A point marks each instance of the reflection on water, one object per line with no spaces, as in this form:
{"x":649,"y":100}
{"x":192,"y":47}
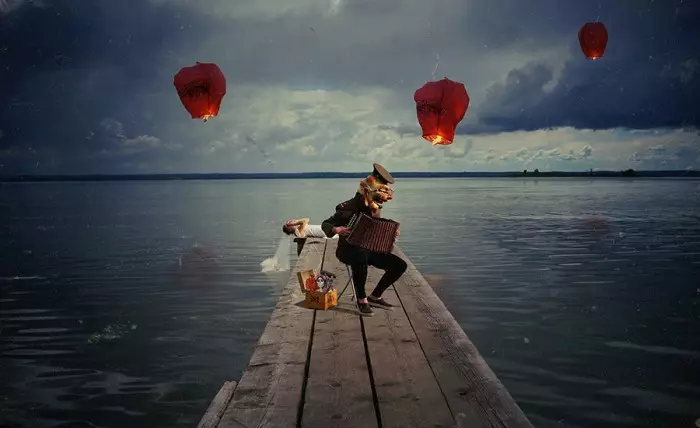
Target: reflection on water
{"x":128,"y":304}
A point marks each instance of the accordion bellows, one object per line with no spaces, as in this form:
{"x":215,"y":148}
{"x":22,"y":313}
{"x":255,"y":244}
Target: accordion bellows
{"x":372,"y":234}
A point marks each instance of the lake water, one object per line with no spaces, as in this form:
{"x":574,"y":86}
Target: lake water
{"x":130,"y":303}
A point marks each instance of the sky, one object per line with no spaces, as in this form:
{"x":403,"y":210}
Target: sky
{"x":327,"y":85}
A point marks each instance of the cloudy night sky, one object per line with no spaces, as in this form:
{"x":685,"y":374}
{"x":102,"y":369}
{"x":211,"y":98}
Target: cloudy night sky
{"x":327,"y":85}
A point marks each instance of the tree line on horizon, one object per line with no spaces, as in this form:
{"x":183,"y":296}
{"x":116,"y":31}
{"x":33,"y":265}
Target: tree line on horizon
{"x":623,"y":173}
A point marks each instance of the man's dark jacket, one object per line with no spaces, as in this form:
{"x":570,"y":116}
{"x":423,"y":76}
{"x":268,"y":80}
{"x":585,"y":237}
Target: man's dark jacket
{"x":343,"y":213}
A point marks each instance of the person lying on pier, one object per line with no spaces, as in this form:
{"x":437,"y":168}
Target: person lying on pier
{"x":302,"y":230}
{"x":372,"y":193}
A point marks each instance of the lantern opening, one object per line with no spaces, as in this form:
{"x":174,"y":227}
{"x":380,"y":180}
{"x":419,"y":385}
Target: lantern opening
{"x":436,"y":139}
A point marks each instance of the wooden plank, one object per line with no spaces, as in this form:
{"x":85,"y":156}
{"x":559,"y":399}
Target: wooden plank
{"x":218,"y":406}
{"x":407,"y":392}
{"x":475,"y":395}
{"x":338,"y":391}
{"x":270,"y":391}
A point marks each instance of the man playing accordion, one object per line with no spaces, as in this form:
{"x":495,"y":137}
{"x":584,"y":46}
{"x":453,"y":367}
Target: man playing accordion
{"x":372,"y":193}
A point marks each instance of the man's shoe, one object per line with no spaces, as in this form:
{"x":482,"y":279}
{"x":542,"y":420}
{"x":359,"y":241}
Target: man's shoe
{"x":365,"y":310}
{"x":379,"y":302}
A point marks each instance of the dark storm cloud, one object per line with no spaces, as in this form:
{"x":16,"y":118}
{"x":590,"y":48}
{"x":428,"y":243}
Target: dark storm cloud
{"x":66,"y":65}
{"x":647,"y":78}
{"x":650,"y":69}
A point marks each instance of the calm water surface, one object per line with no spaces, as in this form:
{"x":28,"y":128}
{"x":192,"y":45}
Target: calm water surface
{"x":128,"y":304}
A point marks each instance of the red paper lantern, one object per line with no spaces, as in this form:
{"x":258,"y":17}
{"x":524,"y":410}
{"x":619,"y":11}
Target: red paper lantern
{"x":201,"y":88}
{"x":593,"y":38}
{"x":440,"y":106}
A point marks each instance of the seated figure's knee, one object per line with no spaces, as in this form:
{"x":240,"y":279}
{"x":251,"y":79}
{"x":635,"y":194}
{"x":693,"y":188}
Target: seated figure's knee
{"x":401,"y":265}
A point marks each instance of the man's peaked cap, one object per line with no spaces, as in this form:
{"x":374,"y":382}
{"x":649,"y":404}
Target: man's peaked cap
{"x":382,"y":174}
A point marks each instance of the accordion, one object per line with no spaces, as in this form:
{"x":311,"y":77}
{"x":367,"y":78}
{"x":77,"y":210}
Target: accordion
{"x":372,"y":234}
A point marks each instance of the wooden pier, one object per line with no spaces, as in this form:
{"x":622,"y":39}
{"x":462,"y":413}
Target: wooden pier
{"x":412,"y":366}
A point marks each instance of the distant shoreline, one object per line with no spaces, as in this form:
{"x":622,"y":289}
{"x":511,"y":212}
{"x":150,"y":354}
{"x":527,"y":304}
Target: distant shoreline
{"x":318,"y":175}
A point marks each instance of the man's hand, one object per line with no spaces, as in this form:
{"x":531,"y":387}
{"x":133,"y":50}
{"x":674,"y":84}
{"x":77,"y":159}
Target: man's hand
{"x":341,"y":230}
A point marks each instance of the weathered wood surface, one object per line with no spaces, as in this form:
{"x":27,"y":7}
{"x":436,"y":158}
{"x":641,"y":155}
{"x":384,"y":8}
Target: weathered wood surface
{"x":472,"y":390}
{"x":408,"y":394}
{"x":412,"y":366}
{"x":269,"y":392}
{"x":338,"y":389}
{"x":218,"y":406}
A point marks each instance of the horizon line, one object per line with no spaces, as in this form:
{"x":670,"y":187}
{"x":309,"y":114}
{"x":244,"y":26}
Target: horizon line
{"x":577,"y":171}
{"x":590,"y":173}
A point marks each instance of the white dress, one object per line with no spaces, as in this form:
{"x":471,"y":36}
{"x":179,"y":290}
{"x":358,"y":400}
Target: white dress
{"x":313,"y":231}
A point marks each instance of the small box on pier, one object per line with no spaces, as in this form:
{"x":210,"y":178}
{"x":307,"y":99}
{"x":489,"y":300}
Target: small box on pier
{"x":320,"y":300}
{"x":318,"y":288}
